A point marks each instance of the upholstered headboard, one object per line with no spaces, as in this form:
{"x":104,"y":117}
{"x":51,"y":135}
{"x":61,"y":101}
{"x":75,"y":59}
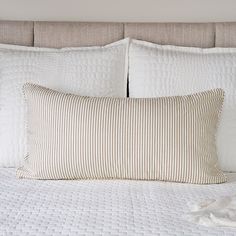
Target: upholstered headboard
{"x":65,"y":34}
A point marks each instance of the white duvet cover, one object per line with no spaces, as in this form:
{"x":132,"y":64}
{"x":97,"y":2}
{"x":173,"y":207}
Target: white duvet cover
{"x":214,"y":212}
{"x":36,"y":207}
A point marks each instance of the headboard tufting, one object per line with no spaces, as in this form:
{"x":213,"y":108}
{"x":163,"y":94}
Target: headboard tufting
{"x":69,"y":34}
{"x":17,"y":32}
{"x":225,"y":35}
{"x":181,"y":34}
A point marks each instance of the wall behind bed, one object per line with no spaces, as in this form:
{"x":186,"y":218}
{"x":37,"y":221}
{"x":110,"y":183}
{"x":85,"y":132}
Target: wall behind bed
{"x":119,"y":10}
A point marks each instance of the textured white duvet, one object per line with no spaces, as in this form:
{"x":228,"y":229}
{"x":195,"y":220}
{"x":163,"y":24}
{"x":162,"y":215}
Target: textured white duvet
{"x":29,"y":207}
{"x":214,"y":212}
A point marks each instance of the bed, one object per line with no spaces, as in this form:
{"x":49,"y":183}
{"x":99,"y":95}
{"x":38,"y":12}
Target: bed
{"x":109,"y":207}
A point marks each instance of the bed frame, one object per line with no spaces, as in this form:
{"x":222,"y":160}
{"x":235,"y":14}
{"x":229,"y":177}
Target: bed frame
{"x":69,"y":34}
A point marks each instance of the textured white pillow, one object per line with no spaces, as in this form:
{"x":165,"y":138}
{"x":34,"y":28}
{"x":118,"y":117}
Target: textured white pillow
{"x":156,"y":70}
{"x":90,"y":71}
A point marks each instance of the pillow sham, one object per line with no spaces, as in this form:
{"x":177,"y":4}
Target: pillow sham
{"x":90,"y":71}
{"x":169,"y":138}
{"x":156,"y":70}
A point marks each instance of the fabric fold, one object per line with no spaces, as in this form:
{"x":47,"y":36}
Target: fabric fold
{"x":214,"y":212}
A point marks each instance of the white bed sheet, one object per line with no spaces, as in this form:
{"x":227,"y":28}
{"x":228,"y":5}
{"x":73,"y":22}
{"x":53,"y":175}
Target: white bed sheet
{"x":112,"y":207}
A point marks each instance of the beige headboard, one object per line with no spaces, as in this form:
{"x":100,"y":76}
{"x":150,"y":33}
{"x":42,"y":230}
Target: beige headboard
{"x":68,"y":34}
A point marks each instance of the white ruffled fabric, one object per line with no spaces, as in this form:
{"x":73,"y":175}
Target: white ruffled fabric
{"x":214,"y":212}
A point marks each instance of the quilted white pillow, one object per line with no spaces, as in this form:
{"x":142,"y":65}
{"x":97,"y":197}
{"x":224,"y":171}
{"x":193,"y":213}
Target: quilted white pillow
{"x":88,"y":71}
{"x":156,"y":70}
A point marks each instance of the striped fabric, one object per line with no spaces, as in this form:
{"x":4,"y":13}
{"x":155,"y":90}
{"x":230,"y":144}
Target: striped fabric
{"x":169,"y":138}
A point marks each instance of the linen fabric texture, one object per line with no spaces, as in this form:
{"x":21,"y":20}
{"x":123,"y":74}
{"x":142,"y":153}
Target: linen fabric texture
{"x":168,"y":138}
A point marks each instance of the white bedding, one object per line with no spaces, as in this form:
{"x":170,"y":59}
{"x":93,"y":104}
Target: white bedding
{"x":29,"y":207}
{"x":214,"y":212}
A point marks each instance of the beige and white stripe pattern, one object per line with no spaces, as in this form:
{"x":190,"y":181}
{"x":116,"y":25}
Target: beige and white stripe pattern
{"x":169,"y":138}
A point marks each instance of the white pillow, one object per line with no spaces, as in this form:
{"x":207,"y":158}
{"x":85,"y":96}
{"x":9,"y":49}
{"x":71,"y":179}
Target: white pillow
{"x":88,"y":71}
{"x":156,"y":70}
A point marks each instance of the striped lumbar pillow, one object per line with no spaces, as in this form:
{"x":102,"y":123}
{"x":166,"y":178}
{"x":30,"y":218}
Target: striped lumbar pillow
{"x":170,"y":138}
